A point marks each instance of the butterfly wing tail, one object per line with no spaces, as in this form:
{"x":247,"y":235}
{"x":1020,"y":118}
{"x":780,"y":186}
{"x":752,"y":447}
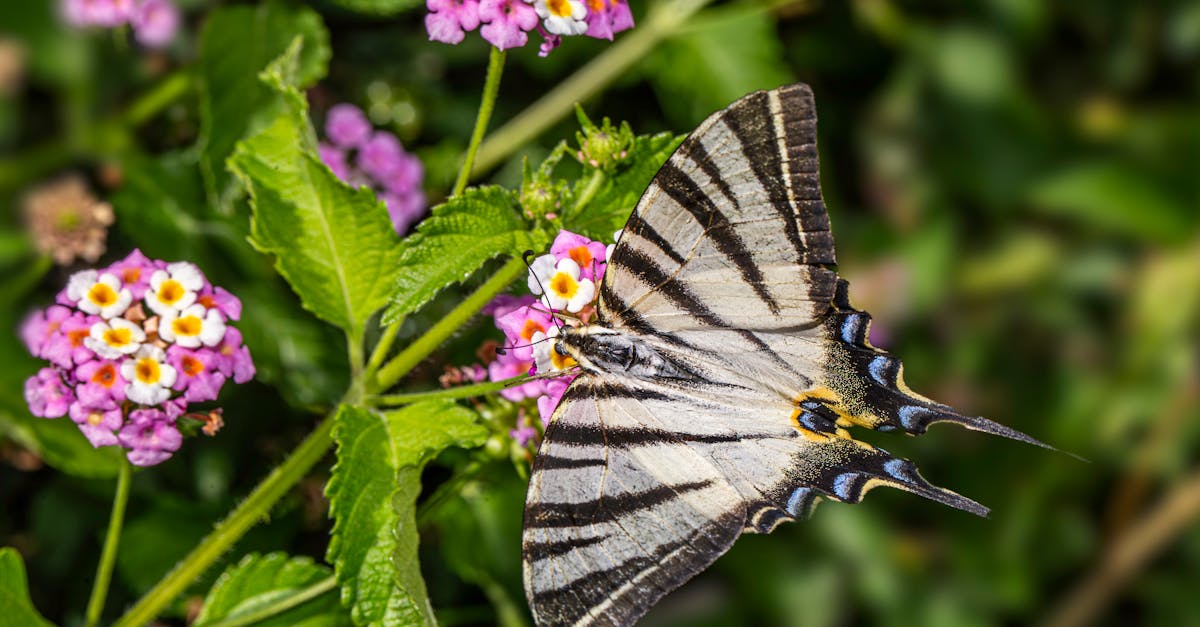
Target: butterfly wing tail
{"x":869,"y":383}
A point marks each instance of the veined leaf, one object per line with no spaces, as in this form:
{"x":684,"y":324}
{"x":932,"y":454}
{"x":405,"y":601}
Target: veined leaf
{"x":372,"y":497}
{"x":237,"y":43}
{"x":335,"y":245}
{"x":460,"y":236}
{"x":15,"y":606}
{"x":609,"y":209}
{"x":260,"y":581}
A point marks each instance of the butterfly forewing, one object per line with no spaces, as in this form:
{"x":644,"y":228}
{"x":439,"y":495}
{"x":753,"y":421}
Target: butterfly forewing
{"x":750,"y":367}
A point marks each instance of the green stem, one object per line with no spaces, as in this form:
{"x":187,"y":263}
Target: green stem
{"x":108,"y":556}
{"x":462,"y":391}
{"x":278,"y":607}
{"x":163,"y":95}
{"x":589,"y":192}
{"x":662,"y":22}
{"x":380,"y":352}
{"x":491,"y":87}
{"x":228,"y":531}
{"x":408,"y":359}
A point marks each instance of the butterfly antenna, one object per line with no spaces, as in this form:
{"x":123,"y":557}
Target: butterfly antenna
{"x":553,"y":314}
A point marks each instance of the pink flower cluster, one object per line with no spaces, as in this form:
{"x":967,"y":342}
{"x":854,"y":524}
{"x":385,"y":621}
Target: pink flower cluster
{"x":123,"y":374}
{"x":506,"y":23}
{"x":360,"y":155}
{"x":566,"y":279}
{"x":154,"y":22}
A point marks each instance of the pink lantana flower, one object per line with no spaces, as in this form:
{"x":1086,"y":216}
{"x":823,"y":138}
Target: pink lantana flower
{"x":155,"y":23}
{"x":548,"y":402}
{"x":199,"y":376}
{"x":608,"y":17}
{"x":519,"y":327}
{"x":46,"y":394}
{"x":98,"y":421}
{"x":449,"y":21}
{"x":589,"y":255}
{"x":99,"y":378}
{"x":506,"y":22}
{"x":150,"y":436}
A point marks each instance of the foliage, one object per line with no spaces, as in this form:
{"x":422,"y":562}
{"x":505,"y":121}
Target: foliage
{"x":1012,"y":189}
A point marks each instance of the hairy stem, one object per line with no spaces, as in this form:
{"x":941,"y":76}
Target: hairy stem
{"x":662,"y":22}
{"x":408,"y":359}
{"x":230,"y":530}
{"x":380,"y":352}
{"x":108,"y":556}
{"x":491,"y":87}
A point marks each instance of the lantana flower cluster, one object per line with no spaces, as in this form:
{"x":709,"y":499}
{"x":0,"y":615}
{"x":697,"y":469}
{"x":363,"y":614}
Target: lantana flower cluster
{"x":567,"y":280}
{"x":154,"y":22}
{"x":506,"y":23}
{"x":360,"y":155}
{"x":131,"y":347}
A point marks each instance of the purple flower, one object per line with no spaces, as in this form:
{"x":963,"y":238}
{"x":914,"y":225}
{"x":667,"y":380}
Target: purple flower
{"x":506,"y":22}
{"x":100,"y":379}
{"x":47,"y":395}
{"x":405,"y":175}
{"x":448,"y":20}
{"x":213,"y":297}
{"x":505,"y":303}
{"x":107,"y":13}
{"x":199,"y":377}
{"x":404,"y":209}
{"x":155,"y":23}
{"x":150,"y":437}
{"x":520,"y":325}
{"x":39,"y":326}
{"x":588,"y":254}
{"x":554,"y":393}
{"x":98,"y":421}
{"x":506,"y":367}
{"x":524,"y":433}
{"x":607,"y":17}
{"x":346,"y":126}
{"x":134,"y":272}
{"x":233,"y":359}
{"x":335,"y":158}
{"x":381,"y":156}
{"x":66,"y":346}
{"x":549,"y":42}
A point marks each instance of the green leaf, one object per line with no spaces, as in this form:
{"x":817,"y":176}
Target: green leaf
{"x":372,"y":498}
{"x":609,"y":209}
{"x":716,"y":60}
{"x":15,"y":606}
{"x":378,"y":7}
{"x":259,"y":582}
{"x":333,"y":244}
{"x":1118,"y":198}
{"x":460,"y":236}
{"x":237,"y":43}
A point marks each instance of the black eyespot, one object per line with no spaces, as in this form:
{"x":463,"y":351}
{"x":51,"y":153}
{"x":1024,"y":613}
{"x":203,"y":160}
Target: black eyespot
{"x":558,"y":348}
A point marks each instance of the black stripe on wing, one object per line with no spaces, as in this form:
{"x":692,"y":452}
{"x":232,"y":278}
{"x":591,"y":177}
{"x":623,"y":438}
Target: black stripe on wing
{"x":606,"y":508}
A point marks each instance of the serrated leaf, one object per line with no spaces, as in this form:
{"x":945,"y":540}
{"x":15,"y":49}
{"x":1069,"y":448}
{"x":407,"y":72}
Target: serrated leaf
{"x":727,"y":54}
{"x":333,"y":244}
{"x":609,"y":209}
{"x":378,"y":7}
{"x":1116,"y":197}
{"x":237,"y":43}
{"x":15,"y":606}
{"x":461,"y":235}
{"x":372,"y":498}
{"x":260,"y":581}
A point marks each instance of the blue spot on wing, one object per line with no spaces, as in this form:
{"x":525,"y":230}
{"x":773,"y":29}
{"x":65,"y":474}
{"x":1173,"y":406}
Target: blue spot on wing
{"x":801,"y":496}
{"x":850,"y":330}
{"x":897,"y":468}
{"x":910,"y":415}
{"x":878,"y":369}
{"x":843,"y":484}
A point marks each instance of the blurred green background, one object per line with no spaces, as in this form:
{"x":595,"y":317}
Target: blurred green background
{"x":1014,"y":186}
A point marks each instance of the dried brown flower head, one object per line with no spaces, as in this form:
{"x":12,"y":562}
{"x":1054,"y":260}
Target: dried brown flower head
{"x":67,"y":221}
{"x":12,"y":66}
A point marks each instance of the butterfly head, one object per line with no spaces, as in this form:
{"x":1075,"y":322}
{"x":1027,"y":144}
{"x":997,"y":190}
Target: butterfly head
{"x":602,"y":350}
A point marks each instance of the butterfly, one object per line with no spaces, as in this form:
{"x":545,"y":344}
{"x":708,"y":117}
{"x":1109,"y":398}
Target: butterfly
{"x":719,"y":381}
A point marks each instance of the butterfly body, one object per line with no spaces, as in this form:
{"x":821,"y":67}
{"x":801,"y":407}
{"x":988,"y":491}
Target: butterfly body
{"x":720,"y":382}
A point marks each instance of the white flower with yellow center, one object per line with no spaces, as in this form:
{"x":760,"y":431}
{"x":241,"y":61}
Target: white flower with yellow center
{"x":559,"y":284}
{"x":174,"y":289}
{"x":97,"y":293}
{"x":150,"y":377}
{"x":545,"y":357}
{"x":112,"y":339}
{"x":562,"y":17}
{"x":192,"y":327}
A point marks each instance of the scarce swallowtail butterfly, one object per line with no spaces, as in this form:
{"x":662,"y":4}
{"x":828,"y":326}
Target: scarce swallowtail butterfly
{"x":720,"y":381}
